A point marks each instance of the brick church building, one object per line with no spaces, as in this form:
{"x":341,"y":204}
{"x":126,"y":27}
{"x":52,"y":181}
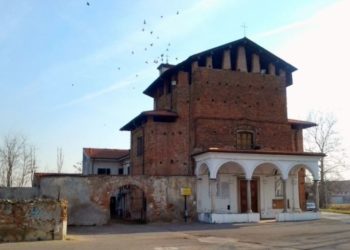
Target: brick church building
{"x":221,"y":116}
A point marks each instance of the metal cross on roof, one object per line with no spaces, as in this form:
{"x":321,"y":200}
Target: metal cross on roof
{"x":244,"y":27}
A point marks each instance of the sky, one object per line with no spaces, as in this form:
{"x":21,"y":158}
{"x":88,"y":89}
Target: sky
{"x":72,"y":73}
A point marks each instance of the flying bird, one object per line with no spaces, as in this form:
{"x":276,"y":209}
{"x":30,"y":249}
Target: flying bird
{"x":151,"y":32}
{"x":132,"y":52}
{"x":157,"y":37}
{"x":143,"y":29}
{"x":146,"y":62}
{"x":87,"y":3}
{"x":145,"y":49}
{"x":151,"y":44}
{"x":118,"y":68}
{"x":144,"y":21}
{"x":177,"y":12}
{"x":161,"y":16}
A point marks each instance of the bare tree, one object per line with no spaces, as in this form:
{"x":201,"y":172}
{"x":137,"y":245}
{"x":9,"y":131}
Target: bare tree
{"x":325,"y":139}
{"x":10,"y":155}
{"x":27,"y":166}
{"x":60,"y":159}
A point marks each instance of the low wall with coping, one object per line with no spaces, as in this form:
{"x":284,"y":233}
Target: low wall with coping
{"x":30,"y":220}
{"x":89,"y":196}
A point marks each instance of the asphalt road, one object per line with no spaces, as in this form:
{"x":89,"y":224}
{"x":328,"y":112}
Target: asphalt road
{"x":331,"y":232}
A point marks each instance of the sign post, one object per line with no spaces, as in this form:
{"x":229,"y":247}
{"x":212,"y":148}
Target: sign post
{"x":186,"y":191}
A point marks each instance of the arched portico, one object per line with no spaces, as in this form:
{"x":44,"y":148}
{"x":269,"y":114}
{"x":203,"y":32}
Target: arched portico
{"x":233,"y":178}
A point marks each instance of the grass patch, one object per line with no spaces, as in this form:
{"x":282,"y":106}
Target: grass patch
{"x":338,"y":208}
{"x":339,"y":211}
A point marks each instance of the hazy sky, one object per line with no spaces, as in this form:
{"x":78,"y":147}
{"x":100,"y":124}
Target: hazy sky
{"x":72,"y":74}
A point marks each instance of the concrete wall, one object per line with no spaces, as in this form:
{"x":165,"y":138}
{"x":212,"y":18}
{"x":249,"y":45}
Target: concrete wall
{"x":89,"y":197}
{"x":19,"y":193}
{"x":29,"y":220}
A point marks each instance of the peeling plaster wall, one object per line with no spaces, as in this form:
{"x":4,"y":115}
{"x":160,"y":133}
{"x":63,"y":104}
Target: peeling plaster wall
{"x":30,"y":220}
{"x":89,"y":197}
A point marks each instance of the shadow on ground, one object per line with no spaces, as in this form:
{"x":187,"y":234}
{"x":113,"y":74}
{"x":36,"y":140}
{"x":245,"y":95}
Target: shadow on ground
{"x":128,"y":228}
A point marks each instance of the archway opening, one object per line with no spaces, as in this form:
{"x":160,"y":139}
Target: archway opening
{"x":229,"y":197}
{"x":304,"y":180}
{"x":129,"y":204}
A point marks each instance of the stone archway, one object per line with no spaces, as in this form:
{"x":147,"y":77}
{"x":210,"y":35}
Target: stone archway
{"x":129,"y":204}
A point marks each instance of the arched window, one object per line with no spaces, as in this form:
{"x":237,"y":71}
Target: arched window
{"x":245,"y":139}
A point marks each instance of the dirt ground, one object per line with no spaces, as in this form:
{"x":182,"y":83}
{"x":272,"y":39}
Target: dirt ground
{"x":331,"y":232}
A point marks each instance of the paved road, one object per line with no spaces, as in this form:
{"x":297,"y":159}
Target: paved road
{"x":331,"y":232}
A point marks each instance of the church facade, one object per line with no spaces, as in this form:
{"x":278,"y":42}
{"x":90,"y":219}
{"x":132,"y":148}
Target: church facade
{"x":221,"y":116}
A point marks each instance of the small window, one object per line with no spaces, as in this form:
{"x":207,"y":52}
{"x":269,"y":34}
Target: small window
{"x":139,"y":145}
{"x":120,"y":171}
{"x":104,"y":171}
{"x":245,"y":140}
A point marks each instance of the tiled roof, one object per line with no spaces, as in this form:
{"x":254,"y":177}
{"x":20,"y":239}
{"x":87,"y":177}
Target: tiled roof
{"x":106,"y":153}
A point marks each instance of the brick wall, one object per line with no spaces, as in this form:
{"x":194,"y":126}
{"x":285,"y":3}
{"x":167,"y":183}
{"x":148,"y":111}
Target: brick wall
{"x":212,"y":104}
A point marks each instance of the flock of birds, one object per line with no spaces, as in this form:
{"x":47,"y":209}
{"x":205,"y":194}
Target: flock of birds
{"x":163,"y":57}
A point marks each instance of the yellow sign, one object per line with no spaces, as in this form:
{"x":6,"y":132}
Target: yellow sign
{"x":186,"y":191}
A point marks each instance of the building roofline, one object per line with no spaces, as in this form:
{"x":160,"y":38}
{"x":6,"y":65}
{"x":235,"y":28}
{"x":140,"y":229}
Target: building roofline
{"x":166,"y":115}
{"x":218,"y":150}
{"x":301,"y":124}
{"x":187,"y":63}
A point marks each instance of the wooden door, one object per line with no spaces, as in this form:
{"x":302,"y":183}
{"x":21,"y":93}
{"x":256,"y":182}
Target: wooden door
{"x":243,"y":195}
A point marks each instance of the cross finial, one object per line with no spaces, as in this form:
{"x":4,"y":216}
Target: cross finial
{"x":244,"y":27}
{"x":166,"y":58}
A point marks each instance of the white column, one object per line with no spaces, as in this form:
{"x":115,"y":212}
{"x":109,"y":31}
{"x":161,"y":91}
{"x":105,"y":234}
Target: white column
{"x":241,"y":64}
{"x":316,"y":196}
{"x":249,"y":197}
{"x":255,"y":63}
{"x":212,"y":184}
{"x":226,"y":60}
{"x":285,"y":201}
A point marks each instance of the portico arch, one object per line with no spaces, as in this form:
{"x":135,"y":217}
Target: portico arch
{"x":231,"y":167}
{"x":268,"y":169}
{"x":267,"y":187}
{"x":203,"y":169}
{"x":312,"y":169}
{"x":304,"y":195}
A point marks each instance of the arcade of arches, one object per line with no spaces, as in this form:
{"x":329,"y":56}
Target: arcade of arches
{"x":240,"y":187}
